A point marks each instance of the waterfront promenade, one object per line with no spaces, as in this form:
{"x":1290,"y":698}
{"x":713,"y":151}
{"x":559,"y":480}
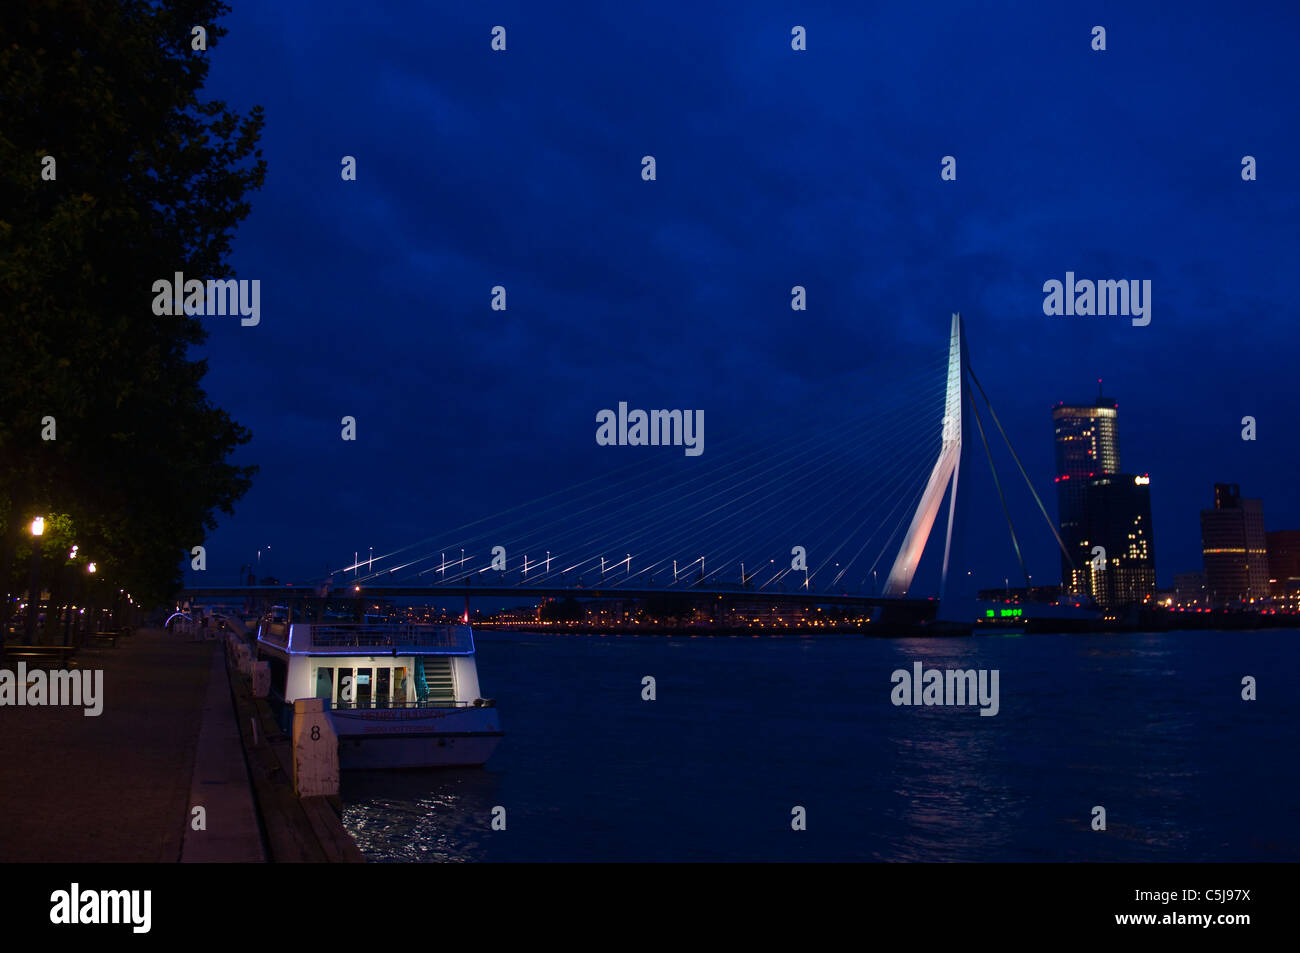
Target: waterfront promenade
{"x":119,"y":786}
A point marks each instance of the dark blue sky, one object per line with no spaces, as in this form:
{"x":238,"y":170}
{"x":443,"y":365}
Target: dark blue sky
{"x":775,"y":168}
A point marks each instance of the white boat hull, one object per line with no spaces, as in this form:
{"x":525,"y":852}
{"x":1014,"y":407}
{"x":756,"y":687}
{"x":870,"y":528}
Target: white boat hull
{"x":372,"y":738}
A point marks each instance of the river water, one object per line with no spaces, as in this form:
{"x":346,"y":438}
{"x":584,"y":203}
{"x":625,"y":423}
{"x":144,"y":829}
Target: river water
{"x":1151,"y":727}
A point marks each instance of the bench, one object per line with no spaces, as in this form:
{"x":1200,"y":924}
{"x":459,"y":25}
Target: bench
{"x":60,"y":653}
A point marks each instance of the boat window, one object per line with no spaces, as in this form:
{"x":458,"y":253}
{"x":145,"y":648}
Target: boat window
{"x":325,"y":682}
{"x":399,"y":684}
{"x":381,"y":686}
{"x":364,"y":688}
{"x":346,"y":692}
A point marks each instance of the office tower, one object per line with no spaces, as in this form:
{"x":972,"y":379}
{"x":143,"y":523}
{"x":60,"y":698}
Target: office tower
{"x":1284,"y":561}
{"x":1234,"y":547}
{"x":1087,"y":446}
{"x":1117,"y":518}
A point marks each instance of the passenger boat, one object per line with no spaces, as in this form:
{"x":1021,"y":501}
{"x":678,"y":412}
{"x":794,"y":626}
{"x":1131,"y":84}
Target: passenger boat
{"x":401,"y":695}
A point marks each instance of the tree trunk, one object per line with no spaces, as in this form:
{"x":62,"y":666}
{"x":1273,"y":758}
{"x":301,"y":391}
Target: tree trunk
{"x":8,"y":548}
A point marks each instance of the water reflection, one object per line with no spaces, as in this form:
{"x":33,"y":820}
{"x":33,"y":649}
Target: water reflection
{"x":422,"y":816}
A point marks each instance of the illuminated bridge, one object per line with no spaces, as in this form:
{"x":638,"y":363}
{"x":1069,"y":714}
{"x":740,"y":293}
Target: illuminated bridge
{"x":834,"y":514}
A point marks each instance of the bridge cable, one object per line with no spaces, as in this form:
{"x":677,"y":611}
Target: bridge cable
{"x":1042,"y":509}
{"x":1001,"y":497}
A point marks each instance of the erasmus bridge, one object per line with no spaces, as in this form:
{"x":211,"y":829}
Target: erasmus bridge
{"x":839,"y":516}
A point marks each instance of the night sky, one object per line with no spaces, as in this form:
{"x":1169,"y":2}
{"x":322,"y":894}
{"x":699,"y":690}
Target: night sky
{"x":821,"y":168}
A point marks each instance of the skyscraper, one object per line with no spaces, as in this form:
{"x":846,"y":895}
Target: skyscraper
{"x":1117,"y":518}
{"x":1234,"y":547}
{"x":1087,"y":446}
{"x":1284,"y":561}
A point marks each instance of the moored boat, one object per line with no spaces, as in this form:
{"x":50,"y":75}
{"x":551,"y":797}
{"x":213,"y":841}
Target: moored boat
{"x":401,"y":695}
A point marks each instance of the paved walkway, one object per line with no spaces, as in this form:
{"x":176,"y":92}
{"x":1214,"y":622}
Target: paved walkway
{"x":220,"y":784}
{"x":117,"y":787}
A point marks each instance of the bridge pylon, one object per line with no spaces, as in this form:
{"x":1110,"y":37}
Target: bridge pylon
{"x":954,"y":438}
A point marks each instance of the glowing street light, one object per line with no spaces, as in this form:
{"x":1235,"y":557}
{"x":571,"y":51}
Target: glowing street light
{"x":33,"y":586}
{"x":91,"y":568}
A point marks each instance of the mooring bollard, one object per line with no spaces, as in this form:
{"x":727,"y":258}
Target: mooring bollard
{"x":261,"y":679}
{"x":315,"y":750}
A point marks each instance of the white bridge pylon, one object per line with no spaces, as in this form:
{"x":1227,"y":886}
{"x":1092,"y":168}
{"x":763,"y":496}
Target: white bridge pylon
{"x":946,"y":470}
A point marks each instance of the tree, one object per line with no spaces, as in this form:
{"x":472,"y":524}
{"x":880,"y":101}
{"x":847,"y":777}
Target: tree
{"x":148,"y":180}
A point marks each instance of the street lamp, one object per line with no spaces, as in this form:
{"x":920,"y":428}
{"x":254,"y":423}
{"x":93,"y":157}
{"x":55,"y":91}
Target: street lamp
{"x":33,"y":590}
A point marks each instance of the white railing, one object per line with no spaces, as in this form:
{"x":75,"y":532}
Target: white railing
{"x":447,"y":638}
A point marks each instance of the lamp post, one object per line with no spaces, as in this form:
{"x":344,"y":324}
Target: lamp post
{"x":33,"y":584}
{"x":91,"y":618}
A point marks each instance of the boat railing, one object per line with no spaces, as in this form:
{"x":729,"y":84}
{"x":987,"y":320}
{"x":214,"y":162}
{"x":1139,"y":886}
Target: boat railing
{"x":425,"y":703}
{"x":458,"y":639}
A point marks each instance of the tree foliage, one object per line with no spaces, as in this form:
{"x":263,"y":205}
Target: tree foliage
{"x":150,"y":180}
